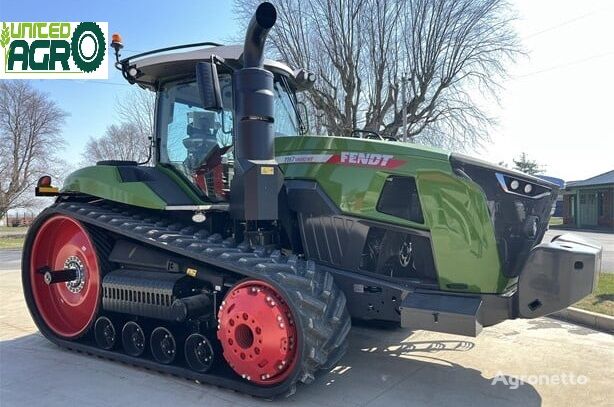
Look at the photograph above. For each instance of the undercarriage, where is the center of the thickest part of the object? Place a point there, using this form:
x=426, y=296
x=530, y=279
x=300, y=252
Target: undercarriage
x=158, y=291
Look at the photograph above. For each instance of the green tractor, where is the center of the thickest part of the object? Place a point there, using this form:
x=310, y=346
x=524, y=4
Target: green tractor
x=239, y=258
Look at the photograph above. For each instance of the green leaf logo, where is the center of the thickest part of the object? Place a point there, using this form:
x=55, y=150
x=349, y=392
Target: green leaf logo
x=5, y=36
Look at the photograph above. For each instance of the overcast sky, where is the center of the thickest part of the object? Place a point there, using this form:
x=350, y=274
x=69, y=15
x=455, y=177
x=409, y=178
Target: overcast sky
x=557, y=106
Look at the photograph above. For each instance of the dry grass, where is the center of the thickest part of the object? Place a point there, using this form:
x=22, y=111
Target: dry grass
x=15, y=242
x=602, y=300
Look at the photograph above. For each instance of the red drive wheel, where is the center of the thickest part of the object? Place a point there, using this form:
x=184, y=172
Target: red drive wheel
x=257, y=332
x=67, y=308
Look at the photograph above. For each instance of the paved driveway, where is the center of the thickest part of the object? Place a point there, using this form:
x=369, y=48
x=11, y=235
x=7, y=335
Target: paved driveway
x=382, y=368
x=10, y=259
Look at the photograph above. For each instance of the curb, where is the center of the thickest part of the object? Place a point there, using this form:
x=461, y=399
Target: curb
x=594, y=320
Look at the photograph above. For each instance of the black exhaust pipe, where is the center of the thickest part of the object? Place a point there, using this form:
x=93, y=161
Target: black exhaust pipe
x=255, y=37
x=257, y=178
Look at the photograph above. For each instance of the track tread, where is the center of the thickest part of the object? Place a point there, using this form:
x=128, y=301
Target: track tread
x=323, y=336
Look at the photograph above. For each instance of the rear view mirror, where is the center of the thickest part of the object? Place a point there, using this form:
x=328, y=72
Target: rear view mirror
x=209, y=86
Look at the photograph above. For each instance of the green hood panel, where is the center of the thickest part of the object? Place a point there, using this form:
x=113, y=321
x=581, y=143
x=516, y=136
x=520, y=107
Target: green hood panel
x=352, y=171
x=463, y=236
x=104, y=181
x=321, y=143
x=455, y=211
x=145, y=187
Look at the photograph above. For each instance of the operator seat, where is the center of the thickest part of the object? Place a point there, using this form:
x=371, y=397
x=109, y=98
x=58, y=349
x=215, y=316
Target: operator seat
x=204, y=159
x=202, y=138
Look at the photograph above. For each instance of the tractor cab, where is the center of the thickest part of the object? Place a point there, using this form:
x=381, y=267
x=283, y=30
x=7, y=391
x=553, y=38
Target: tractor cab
x=197, y=142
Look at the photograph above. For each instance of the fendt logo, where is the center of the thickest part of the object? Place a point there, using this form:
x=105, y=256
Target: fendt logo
x=378, y=160
x=366, y=160
x=349, y=158
x=53, y=50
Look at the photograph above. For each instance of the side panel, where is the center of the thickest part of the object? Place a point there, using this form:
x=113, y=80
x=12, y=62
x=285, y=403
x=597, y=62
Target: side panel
x=455, y=211
x=359, y=245
x=462, y=233
x=145, y=187
x=104, y=182
x=352, y=172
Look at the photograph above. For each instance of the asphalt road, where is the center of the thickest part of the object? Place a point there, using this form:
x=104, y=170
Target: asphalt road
x=382, y=368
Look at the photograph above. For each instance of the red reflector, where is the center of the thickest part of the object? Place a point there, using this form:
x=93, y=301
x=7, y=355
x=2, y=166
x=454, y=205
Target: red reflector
x=44, y=181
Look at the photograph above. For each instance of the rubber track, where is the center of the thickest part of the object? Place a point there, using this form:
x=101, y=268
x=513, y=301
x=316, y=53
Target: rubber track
x=316, y=300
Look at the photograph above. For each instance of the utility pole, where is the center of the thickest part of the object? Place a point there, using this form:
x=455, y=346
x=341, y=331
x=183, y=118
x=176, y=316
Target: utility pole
x=404, y=101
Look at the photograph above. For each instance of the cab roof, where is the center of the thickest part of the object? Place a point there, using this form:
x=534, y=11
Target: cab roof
x=168, y=65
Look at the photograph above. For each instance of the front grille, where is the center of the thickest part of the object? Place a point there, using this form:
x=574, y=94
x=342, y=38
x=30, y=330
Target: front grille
x=520, y=220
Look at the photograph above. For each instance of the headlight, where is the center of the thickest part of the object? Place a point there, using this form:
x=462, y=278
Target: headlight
x=521, y=187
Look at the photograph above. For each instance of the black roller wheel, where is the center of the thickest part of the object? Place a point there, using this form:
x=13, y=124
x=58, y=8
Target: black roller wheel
x=163, y=345
x=104, y=332
x=199, y=353
x=133, y=339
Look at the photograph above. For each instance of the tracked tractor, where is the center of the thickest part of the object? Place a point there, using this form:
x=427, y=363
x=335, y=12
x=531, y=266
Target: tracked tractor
x=240, y=254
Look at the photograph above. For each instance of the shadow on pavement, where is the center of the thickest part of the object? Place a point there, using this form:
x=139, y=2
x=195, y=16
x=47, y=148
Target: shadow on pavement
x=397, y=372
x=408, y=374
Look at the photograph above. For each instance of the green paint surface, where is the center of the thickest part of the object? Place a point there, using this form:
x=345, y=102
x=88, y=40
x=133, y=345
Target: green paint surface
x=455, y=211
x=356, y=189
x=104, y=181
x=462, y=233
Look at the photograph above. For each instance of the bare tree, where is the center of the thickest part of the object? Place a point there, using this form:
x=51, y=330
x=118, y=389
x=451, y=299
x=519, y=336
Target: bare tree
x=450, y=51
x=30, y=138
x=138, y=108
x=123, y=142
x=130, y=139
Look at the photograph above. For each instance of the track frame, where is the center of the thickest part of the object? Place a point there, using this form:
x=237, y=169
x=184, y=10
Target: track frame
x=318, y=305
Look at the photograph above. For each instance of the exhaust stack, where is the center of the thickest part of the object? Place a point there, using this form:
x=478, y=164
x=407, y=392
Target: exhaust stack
x=257, y=178
x=255, y=36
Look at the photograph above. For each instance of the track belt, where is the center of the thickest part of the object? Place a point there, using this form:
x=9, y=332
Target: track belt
x=283, y=272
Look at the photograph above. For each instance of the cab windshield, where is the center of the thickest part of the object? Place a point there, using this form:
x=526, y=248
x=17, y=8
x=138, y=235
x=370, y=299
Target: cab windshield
x=198, y=142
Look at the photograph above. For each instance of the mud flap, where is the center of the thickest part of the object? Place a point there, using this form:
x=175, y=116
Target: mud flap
x=557, y=275
x=442, y=313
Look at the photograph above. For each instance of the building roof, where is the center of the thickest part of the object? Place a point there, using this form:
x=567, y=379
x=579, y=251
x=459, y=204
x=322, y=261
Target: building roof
x=601, y=179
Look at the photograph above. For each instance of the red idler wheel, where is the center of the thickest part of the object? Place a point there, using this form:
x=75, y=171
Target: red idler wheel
x=67, y=308
x=257, y=332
